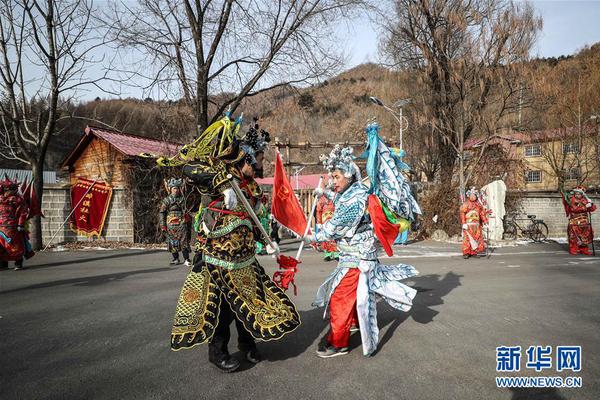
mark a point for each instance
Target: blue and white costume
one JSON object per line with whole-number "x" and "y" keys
{"x": 352, "y": 229}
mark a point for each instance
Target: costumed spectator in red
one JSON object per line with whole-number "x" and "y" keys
{"x": 578, "y": 208}
{"x": 473, "y": 216}
{"x": 324, "y": 211}
{"x": 14, "y": 239}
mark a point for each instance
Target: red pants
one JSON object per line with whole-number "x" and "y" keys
{"x": 342, "y": 309}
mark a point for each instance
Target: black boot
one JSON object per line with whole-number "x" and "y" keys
{"x": 19, "y": 264}
{"x": 253, "y": 355}
{"x": 226, "y": 364}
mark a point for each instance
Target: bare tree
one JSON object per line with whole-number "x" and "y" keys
{"x": 214, "y": 53}
{"x": 468, "y": 54}
{"x": 45, "y": 49}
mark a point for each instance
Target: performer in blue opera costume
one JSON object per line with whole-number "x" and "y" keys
{"x": 361, "y": 214}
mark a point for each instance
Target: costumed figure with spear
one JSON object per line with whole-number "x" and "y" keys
{"x": 578, "y": 208}
{"x": 226, "y": 282}
{"x": 362, "y": 215}
{"x": 473, "y": 216}
{"x": 15, "y": 209}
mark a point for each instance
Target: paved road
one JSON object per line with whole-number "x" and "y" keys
{"x": 96, "y": 325}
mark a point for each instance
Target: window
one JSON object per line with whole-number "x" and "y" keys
{"x": 571, "y": 148}
{"x": 572, "y": 174}
{"x": 533, "y": 150}
{"x": 533, "y": 177}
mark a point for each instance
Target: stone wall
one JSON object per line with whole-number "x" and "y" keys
{"x": 548, "y": 206}
{"x": 56, "y": 206}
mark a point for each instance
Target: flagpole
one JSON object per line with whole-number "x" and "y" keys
{"x": 310, "y": 217}
{"x": 69, "y": 216}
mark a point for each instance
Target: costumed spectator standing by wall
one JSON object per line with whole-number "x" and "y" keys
{"x": 176, "y": 223}
{"x": 349, "y": 293}
{"x": 226, "y": 282}
{"x": 473, "y": 216}
{"x": 324, "y": 213}
{"x": 14, "y": 239}
{"x": 578, "y": 208}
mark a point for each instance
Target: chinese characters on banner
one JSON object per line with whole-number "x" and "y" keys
{"x": 91, "y": 206}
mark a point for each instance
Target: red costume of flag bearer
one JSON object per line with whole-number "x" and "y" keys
{"x": 14, "y": 212}
{"x": 578, "y": 208}
{"x": 325, "y": 209}
{"x": 473, "y": 216}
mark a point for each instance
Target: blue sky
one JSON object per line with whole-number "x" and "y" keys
{"x": 569, "y": 25}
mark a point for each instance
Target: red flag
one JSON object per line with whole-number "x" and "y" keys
{"x": 90, "y": 201}
{"x": 34, "y": 204}
{"x": 285, "y": 207}
{"x": 385, "y": 231}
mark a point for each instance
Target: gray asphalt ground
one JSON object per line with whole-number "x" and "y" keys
{"x": 96, "y": 325}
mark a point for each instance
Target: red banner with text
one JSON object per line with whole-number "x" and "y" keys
{"x": 90, "y": 201}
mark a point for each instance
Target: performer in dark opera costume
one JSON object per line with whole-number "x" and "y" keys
{"x": 578, "y": 208}
{"x": 226, "y": 282}
{"x": 14, "y": 239}
{"x": 175, "y": 222}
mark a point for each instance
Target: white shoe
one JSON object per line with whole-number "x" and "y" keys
{"x": 187, "y": 263}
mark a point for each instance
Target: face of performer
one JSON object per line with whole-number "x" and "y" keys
{"x": 472, "y": 197}
{"x": 340, "y": 182}
{"x": 578, "y": 195}
{"x": 258, "y": 167}
{"x": 247, "y": 170}
{"x": 175, "y": 191}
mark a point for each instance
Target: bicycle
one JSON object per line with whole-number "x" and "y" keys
{"x": 537, "y": 230}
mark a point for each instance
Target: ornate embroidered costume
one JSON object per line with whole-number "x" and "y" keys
{"x": 472, "y": 217}
{"x": 578, "y": 208}
{"x": 14, "y": 239}
{"x": 348, "y": 294}
{"x": 175, "y": 222}
{"x": 226, "y": 282}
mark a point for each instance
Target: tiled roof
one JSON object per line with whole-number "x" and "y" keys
{"x": 128, "y": 144}
{"x": 133, "y": 145}
{"x": 546, "y": 135}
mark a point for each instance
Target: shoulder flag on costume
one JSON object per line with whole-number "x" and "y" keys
{"x": 285, "y": 207}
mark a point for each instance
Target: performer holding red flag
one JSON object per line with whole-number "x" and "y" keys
{"x": 578, "y": 208}
{"x": 349, "y": 292}
{"x": 14, "y": 238}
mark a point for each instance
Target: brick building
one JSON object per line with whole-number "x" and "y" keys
{"x": 113, "y": 157}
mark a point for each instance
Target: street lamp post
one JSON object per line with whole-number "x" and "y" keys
{"x": 398, "y": 117}
{"x": 297, "y": 171}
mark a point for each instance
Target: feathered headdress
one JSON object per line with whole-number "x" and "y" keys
{"x": 472, "y": 191}
{"x": 255, "y": 141}
{"x": 218, "y": 140}
{"x": 341, "y": 158}
{"x": 8, "y": 184}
